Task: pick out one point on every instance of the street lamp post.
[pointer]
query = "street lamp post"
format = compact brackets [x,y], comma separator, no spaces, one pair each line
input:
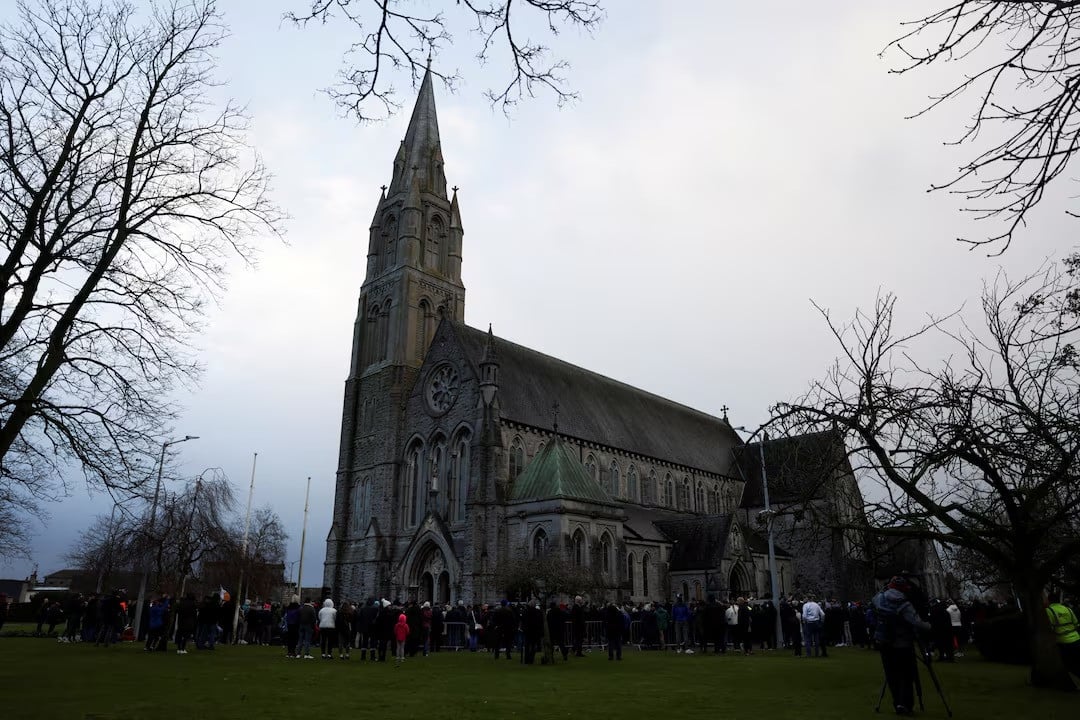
[768,514]
[150,530]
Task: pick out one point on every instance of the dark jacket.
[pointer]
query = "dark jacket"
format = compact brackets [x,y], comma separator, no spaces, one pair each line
[308,617]
[185,614]
[897,620]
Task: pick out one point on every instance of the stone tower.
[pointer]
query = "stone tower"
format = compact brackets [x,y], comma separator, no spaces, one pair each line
[413,280]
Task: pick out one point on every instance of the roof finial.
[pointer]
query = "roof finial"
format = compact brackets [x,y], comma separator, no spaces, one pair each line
[724,410]
[555,414]
[429,58]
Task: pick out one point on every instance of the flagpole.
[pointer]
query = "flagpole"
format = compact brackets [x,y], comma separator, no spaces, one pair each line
[243,551]
[303,539]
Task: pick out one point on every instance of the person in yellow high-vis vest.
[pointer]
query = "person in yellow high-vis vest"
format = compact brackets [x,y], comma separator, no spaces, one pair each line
[1066,631]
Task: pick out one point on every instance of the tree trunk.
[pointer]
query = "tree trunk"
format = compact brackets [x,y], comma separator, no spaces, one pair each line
[1047,668]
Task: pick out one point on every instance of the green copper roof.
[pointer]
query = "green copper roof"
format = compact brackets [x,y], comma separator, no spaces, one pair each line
[556,472]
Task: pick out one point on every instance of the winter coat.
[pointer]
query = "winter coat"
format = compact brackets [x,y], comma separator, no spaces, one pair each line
[185,615]
[897,619]
[328,615]
[401,629]
[680,613]
[308,618]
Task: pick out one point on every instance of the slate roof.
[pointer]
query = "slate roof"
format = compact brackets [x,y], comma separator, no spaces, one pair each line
[599,409]
[759,544]
[698,542]
[641,522]
[797,468]
[556,472]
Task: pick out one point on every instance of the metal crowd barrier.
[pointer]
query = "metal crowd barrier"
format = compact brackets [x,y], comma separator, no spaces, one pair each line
[456,636]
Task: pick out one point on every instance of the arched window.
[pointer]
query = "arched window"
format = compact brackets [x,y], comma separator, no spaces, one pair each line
[434,243]
[384,331]
[389,258]
[713,509]
[736,539]
[631,485]
[669,492]
[579,548]
[699,498]
[605,554]
[648,489]
[458,484]
[614,488]
[645,575]
[539,544]
[729,501]
[414,494]
[590,465]
[684,494]
[517,458]
[630,562]
[425,323]
[437,473]
[358,508]
[539,447]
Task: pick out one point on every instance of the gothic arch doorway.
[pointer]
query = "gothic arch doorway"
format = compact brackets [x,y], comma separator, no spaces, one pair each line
[739,582]
[430,575]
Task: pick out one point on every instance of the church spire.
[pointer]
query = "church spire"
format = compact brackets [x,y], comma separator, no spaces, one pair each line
[420,156]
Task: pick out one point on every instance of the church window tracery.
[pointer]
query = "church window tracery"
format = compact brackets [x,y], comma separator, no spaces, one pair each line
[614,488]
[631,485]
[590,465]
[438,472]
[699,498]
[414,495]
[579,548]
[605,554]
[648,489]
[517,458]
[458,483]
[539,544]
[669,492]
[434,243]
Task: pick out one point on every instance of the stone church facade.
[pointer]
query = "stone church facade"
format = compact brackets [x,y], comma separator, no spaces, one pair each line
[454,458]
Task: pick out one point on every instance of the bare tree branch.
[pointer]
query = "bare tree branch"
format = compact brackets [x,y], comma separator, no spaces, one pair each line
[401,37]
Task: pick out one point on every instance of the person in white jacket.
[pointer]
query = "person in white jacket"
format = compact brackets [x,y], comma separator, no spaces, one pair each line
[956,619]
[327,629]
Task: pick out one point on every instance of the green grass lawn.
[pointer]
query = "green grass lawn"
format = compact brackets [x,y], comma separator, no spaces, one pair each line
[43,679]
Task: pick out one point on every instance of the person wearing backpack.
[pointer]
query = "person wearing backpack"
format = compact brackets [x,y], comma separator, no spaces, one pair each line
[897,624]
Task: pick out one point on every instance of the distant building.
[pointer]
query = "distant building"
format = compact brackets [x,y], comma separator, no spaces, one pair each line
[16,591]
[461,451]
[916,557]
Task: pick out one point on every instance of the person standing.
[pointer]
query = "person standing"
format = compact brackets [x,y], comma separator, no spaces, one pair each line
[577,625]
[74,612]
[292,629]
[109,616]
[306,630]
[556,622]
[327,629]
[401,634]
[345,619]
[1066,632]
[185,622]
[613,626]
[425,627]
[813,620]
[897,623]
[438,626]
[956,622]
[745,626]
[505,627]
[159,613]
[680,615]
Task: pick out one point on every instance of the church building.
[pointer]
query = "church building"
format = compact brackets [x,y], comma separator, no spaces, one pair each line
[461,450]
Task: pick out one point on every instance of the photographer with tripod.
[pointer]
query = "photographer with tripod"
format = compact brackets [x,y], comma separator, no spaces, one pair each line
[897,623]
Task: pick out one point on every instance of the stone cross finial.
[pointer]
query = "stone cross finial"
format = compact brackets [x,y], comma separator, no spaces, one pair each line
[724,410]
[383,188]
[455,188]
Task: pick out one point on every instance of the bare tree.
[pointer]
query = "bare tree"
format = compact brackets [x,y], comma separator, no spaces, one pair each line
[402,37]
[1021,63]
[979,453]
[123,192]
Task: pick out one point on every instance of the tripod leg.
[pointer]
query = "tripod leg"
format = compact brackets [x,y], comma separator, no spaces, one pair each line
[937,686]
[881,697]
[918,682]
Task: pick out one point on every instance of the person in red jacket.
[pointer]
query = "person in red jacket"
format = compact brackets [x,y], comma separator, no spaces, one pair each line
[401,633]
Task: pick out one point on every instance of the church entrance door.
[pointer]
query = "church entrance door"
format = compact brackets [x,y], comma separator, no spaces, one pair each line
[427,588]
[739,583]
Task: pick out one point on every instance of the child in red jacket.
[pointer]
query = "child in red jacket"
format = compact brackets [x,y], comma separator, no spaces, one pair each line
[401,631]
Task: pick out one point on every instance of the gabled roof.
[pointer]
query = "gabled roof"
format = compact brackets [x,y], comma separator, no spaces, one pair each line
[698,543]
[598,409]
[759,544]
[798,468]
[556,472]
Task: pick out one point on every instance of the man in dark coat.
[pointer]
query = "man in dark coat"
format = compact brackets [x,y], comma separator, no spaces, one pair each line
[438,626]
[505,627]
[768,624]
[556,622]
[577,622]
[714,626]
[109,616]
[185,622]
[365,627]
[415,619]
[533,632]
[898,623]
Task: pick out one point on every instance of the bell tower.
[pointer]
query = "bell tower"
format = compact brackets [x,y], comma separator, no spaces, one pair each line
[413,280]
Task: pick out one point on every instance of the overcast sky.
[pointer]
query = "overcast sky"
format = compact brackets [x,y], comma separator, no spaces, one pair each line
[727,163]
